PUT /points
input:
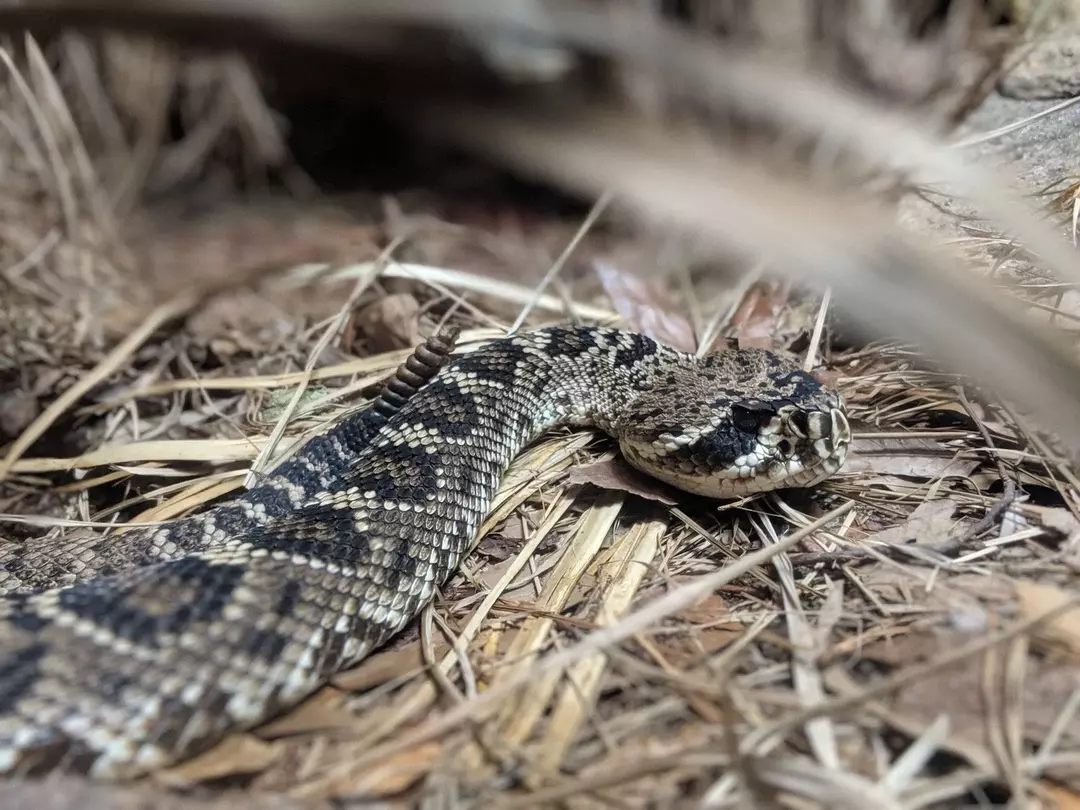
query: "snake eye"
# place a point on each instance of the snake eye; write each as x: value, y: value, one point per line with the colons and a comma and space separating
x: 749, y: 415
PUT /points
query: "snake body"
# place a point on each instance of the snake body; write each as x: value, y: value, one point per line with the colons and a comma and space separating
x: 124, y: 654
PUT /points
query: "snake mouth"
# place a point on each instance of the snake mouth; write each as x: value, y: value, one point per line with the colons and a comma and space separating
x: 824, y: 448
x: 813, y: 446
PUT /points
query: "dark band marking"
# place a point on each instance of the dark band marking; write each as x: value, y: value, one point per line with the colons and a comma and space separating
x: 19, y: 672
x: 162, y: 600
x: 632, y: 348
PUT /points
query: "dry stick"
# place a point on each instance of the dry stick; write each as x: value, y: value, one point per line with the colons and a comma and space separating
x: 819, y: 327
x: 678, y: 599
x: 1008, y: 481
x: 162, y: 314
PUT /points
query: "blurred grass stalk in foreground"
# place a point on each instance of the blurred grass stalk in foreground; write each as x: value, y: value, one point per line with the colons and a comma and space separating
x: 824, y: 234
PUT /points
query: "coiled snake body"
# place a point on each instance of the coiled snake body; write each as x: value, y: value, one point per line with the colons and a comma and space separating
x: 127, y: 653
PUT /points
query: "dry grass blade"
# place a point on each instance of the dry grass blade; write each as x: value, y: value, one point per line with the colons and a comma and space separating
x: 826, y: 788
x: 517, y: 719
x: 497, y: 288
x: 805, y: 675
x: 767, y: 737
x: 217, y: 450
x: 556, y: 267
x: 529, y: 472
x: 914, y: 759
x: 262, y: 460
x: 629, y: 565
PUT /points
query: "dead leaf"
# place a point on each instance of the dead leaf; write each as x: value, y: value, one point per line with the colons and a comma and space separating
x: 620, y: 476
x: 1060, y: 632
x: 959, y: 691
x: 505, y: 542
x: 710, y: 609
x: 688, y: 649
x: 323, y: 711
x: 646, y: 307
x: 960, y: 593
x: 235, y: 755
x: 758, y: 312
x: 931, y: 522
x: 390, y: 322
x: 384, y: 667
x: 909, y: 458
x: 828, y: 377
x: 907, y: 647
x: 389, y: 777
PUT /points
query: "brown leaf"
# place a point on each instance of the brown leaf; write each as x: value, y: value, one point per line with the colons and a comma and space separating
x: 237, y: 754
x: 689, y: 649
x: 919, y: 458
x: 646, y: 307
x: 931, y: 522
x: 389, y: 777
x: 904, y: 647
x: 758, y: 312
x: 1055, y: 518
x: 384, y: 667
x: 829, y: 377
x: 1060, y: 632
x: 323, y: 711
x: 391, y: 322
x: 620, y: 476
x: 959, y: 691
x: 965, y: 595
x: 969, y: 693
x: 710, y: 609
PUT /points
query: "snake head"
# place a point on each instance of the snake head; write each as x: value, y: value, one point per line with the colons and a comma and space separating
x: 737, y: 423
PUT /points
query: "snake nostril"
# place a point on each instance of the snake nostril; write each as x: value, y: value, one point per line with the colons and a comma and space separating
x: 785, y: 447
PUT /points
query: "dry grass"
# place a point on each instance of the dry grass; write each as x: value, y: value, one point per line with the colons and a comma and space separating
x: 903, y: 637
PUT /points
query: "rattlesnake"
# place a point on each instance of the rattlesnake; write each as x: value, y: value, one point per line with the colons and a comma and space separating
x: 151, y: 645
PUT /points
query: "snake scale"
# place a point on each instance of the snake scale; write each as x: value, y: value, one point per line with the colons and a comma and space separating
x: 124, y: 653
